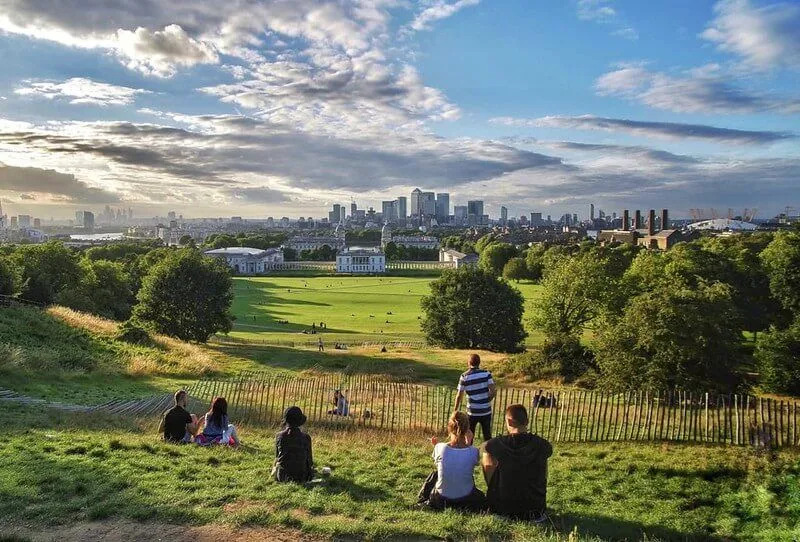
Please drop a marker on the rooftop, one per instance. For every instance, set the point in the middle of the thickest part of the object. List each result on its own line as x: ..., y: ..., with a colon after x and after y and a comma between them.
x: 235, y: 251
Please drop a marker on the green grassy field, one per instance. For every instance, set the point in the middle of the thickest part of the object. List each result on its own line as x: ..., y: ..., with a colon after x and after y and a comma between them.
x: 355, y: 309
x: 59, y: 470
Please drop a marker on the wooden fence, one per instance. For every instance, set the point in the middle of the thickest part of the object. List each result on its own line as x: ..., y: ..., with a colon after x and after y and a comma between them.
x: 558, y: 415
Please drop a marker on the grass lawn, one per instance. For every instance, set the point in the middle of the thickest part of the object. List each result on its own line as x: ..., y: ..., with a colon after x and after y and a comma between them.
x: 355, y: 309
x: 56, y: 469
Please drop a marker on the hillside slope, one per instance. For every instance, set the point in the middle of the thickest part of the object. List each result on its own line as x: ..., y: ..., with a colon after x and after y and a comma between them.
x: 70, y: 356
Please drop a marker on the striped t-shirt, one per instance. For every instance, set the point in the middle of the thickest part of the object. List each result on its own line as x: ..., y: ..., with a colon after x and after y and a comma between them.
x: 475, y: 383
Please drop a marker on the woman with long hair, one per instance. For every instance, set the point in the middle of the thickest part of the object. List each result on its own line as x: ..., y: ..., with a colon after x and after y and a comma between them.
x: 452, y: 484
x: 293, y: 459
x: 216, y: 426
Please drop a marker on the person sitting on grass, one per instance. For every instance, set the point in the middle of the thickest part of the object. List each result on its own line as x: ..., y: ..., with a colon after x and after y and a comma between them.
x: 216, y: 427
x: 515, y: 468
x: 452, y: 484
x: 341, y: 404
x: 177, y: 425
x: 293, y: 459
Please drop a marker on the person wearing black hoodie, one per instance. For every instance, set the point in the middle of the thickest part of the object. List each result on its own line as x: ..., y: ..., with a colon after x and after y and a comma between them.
x: 293, y: 460
x: 515, y: 468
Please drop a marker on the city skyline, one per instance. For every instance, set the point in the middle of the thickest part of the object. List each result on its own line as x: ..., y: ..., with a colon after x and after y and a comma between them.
x: 285, y: 109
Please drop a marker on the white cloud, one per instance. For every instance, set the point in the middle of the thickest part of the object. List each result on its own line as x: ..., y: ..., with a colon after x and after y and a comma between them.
x: 436, y: 10
x: 764, y: 37
x: 701, y: 90
x: 667, y: 130
x: 79, y: 90
x: 161, y: 52
x: 603, y: 12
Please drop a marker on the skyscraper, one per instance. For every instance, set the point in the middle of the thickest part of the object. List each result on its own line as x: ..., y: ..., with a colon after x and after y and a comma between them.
x: 591, y: 211
x: 429, y: 204
x: 402, y: 204
x: 335, y: 215
x: 503, y: 215
x: 353, y: 209
x: 389, y: 210
x: 460, y: 214
x: 475, y: 207
x: 442, y: 207
x: 416, y: 202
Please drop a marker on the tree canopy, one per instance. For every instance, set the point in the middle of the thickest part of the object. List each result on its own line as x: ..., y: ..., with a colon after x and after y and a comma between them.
x: 495, y: 256
x: 187, y: 296
x: 515, y: 269
x: 781, y: 259
x: 471, y: 308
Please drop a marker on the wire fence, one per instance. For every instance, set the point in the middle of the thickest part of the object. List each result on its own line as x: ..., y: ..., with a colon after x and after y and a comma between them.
x: 560, y: 415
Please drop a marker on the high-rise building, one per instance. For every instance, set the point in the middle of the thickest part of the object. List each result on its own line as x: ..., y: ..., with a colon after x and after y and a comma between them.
x: 171, y: 215
x: 591, y: 211
x: 416, y: 202
x: 503, y: 215
x: 402, y: 204
x: 442, y: 206
x: 13, y: 224
x: 24, y: 221
x: 353, y: 209
x: 429, y: 204
x: 536, y: 219
x: 37, y: 223
x: 574, y: 219
x: 389, y: 210
x: 460, y: 214
x: 475, y: 207
x: 342, y: 213
x: 335, y: 214
x: 86, y: 220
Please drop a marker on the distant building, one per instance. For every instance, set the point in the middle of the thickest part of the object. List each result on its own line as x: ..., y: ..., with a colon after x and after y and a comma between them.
x: 458, y: 259
x: 402, y: 208
x: 248, y: 261
x: 85, y: 219
x: 416, y: 202
x: 460, y: 213
x: 312, y: 242
x: 503, y: 215
x: 361, y: 260
x: 24, y: 221
x: 649, y: 237
x: 442, y: 207
x: 389, y: 211
x: 417, y: 241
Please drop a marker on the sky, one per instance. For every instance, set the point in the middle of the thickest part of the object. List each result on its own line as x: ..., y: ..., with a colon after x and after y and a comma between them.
x: 282, y: 107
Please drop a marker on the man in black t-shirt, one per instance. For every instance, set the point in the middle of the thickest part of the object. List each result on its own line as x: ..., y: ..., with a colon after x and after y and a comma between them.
x: 177, y: 424
x: 515, y: 468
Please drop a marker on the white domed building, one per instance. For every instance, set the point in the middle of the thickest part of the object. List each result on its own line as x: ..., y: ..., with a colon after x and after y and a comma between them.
x: 723, y: 224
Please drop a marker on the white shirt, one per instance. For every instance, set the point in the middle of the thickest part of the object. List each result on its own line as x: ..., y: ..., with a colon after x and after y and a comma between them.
x: 454, y: 467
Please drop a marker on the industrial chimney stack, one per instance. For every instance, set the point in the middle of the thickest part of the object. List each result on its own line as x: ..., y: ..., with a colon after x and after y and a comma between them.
x: 637, y: 220
x: 651, y: 222
x: 664, y: 219
x: 626, y: 220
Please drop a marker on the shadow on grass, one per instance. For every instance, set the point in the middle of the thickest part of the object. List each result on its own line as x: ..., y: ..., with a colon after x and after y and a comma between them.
x: 403, y: 369
x: 618, y: 529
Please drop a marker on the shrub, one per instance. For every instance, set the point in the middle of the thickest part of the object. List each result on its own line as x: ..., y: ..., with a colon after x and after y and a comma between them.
x: 133, y: 333
x: 778, y: 356
x: 560, y: 355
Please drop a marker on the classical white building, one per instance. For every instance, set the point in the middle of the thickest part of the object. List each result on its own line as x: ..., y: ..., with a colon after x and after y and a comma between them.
x: 417, y: 241
x: 312, y: 242
x: 458, y: 259
x: 360, y: 260
x: 248, y: 261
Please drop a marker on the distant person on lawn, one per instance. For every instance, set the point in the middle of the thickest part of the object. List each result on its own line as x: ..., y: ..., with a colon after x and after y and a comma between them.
x: 216, y: 427
x: 293, y: 459
x: 177, y: 425
x: 479, y: 387
x: 515, y: 468
x: 452, y: 484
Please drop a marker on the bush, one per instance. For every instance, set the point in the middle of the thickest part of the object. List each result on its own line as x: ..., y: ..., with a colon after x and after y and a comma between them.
x: 778, y: 356
x: 560, y: 355
x: 133, y: 333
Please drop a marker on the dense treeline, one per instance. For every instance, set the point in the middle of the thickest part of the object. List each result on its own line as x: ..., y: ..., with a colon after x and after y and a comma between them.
x: 395, y: 252
x: 125, y: 281
x: 252, y: 240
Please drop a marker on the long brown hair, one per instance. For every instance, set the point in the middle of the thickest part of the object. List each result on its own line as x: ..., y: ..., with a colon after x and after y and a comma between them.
x: 458, y: 424
x: 219, y: 410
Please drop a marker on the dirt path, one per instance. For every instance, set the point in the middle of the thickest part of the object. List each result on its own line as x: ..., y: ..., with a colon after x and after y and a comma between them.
x: 127, y: 531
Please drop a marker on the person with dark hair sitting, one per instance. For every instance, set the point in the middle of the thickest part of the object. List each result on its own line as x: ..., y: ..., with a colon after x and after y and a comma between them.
x: 452, y: 484
x: 216, y: 426
x: 177, y: 425
x: 515, y: 468
x: 293, y: 459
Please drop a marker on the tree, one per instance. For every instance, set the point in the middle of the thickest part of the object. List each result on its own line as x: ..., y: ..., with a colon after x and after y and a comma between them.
x: 575, y: 290
x: 484, y: 242
x: 46, y: 270
x: 186, y: 240
x: 515, y: 269
x: 782, y: 262
x: 778, y: 357
x: 222, y: 240
x: 8, y: 277
x: 471, y: 308
x: 494, y: 257
x: 187, y: 296
x: 534, y: 260
x: 104, y: 290
x: 674, y: 336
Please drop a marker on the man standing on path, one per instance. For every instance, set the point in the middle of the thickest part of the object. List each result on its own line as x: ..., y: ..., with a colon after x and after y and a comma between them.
x: 477, y: 383
x: 320, y: 345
